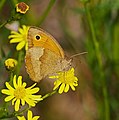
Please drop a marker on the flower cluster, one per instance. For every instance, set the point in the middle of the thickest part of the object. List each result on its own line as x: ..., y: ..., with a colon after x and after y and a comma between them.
x: 17, y: 92
x: 65, y: 79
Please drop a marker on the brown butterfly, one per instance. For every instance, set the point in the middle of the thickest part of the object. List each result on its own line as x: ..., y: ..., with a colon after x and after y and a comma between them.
x: 44, y: 55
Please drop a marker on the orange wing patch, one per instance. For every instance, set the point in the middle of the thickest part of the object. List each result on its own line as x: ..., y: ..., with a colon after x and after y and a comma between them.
x: 46, y: 41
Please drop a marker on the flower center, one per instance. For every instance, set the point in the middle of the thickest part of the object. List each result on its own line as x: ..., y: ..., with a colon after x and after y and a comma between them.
x: 20, y: 93
x: 67, y: 78
x: 24, y: 37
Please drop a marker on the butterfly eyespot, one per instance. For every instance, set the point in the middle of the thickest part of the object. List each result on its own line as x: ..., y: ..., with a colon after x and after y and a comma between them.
x: 38, y: 37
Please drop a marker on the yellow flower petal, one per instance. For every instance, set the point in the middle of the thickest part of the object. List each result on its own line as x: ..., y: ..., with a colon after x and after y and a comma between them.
x: 9, y: 86
x: 35, y: 97
x: 29, y: 101
x: 20, y: 81
x: 24, y: 84
x: 14, y: 32
x: 31, y: 86
x: 5, y: 91
x: 34, y: 90
x: 72, y: 70
x: 66, y: 88
x: 15, y: 35
x: 72, y: 87
x: 22, y: 102
x: 17, y: 103
x: 8, y: 98
x: 21, y: 31
x: 29, y: 115
x: 20, y: 45
x: 26, y: 46
x: 61, y: 89
x: 14, y: 82
x: 16, y: 40
x: 53, y: 77
x: 75, y: 84
x: 13, y: 101
x: 57, y: 85
x: 35, y: 118
x: 25, y: 28
x: 21, y: 118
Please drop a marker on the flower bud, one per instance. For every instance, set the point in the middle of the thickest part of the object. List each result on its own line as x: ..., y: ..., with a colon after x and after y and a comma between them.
x: 10, y: 64
x: 22, y: 7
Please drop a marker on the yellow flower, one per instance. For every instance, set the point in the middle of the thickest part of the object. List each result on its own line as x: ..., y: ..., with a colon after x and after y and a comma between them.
x: 29, y: 116
x: 22, y: 7
x: 19, y: 94
x: 20, y: 37
x: 10, y: 64
x: 65, y: 79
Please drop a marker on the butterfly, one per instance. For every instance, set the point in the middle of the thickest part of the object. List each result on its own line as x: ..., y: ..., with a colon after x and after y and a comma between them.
x: 44, y: 55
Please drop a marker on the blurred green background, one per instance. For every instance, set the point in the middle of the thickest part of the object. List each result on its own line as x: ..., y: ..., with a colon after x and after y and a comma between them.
x: 78, y: 26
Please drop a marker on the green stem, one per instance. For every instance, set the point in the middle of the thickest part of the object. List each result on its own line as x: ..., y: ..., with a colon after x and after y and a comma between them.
x: 21, y: 113
x: 49, y: 94
x: 100, y: 65
x: 1, y: 4
x: 11, y: 77
x: 7, y: 21
x: 15, y: 2
x: 20, y: 61
x: 44, y: 15
x: 4, y: 23
x: 17, y: 16
x: 96, y: 44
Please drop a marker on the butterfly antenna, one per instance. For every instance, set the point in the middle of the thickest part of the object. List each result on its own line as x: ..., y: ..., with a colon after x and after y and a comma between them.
x: 78, y: 54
